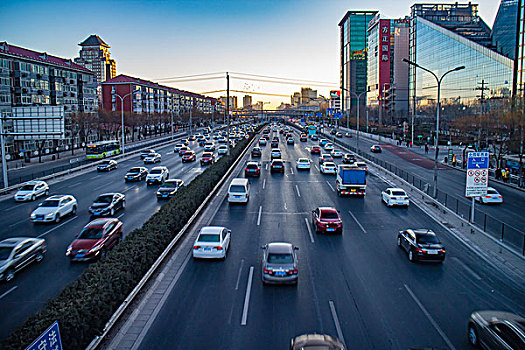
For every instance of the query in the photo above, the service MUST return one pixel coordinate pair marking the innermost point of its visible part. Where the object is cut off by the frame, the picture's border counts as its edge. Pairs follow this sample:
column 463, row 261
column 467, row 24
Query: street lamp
column 438, row 80
column 348, row 119
column 122, row 114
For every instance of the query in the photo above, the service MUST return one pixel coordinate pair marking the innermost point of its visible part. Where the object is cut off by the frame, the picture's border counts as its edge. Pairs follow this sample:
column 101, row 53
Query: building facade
column 246, row 101
column 520, row 53
column 504, row 28
column 233, row 101
column 353, row 54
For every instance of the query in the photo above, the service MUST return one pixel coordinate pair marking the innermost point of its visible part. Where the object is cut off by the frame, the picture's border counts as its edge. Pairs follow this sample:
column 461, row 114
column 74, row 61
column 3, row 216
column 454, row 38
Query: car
column 337, row 153
column 158, row 174
column 17, row 253
column 183, row 150
column 349, row 158
column 323, row 142
column 189, row 156
column 325, row 157
column 333, row 132
column 277, row 166
column 303, row 138
column 222, row 139
column 316, row 341
column 303, row 163
column 207, row 158
column 361, row 165
column 192, row 138
column 329, row 147
column 177, row 147
column 256, row 152
column 95, row 240
column 274, row 144
column 491, row 329
column 201, row 142
column 31, row 190
column 54, row 208
column 169, row 188
column 421, row 245
column 338, row 134
column 492, row 197
column 152, row 158
column 262, row 142
column 136, row 174
column 328, row 168
column 314, row 137
column 212, row 242
column 276, row 153
column 376, row 149
column 266, row 137
column 107, row 204
column 209, row 147
column 395, row 196
column 279, row 263
column 185, row 142
column 290, row 141
column 315, row 150
column 349, row 135
column 327, row 219
column 223, row 149
column 252, row 169
column 107, row 165
column 146, row 152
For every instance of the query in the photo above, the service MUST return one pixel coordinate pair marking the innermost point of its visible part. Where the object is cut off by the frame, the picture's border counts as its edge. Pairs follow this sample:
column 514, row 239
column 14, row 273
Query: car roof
column 100, row 222
column 172, row 180
column 303, row 159
column 14, row 241
column 57, row 196
column 279, row 247
column 159, row 167
column 328, row 164
column 239, row 181
column 327, row 209
column 36, row 182
column 211, row 229
column 395, row 189
column 252, row 162
column 422, row 231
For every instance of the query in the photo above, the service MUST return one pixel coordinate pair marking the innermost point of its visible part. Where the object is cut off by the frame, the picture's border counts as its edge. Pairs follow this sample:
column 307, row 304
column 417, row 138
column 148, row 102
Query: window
column 507, row 335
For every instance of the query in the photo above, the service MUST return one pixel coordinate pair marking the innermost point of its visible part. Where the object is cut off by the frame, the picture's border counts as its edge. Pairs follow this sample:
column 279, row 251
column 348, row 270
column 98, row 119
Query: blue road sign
column 318, row 114
column 478, row 160
column 49, row 340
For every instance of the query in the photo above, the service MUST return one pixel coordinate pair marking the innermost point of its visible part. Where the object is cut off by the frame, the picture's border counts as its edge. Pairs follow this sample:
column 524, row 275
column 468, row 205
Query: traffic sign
column 49, row 340
column 477, row 174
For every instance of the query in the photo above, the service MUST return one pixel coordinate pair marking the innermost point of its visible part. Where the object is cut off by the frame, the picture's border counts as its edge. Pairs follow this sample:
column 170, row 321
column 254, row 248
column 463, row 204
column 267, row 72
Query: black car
column 333, row 132
column 277, row 166
column 136, row 174
column 274, row 144
column 349, row 158
column 290, row 141
column 256, row 152
column 252, row 169
column 496, row 330
column 169, row 188
column 421, row 245
column 315, row 137
column 107, row 204
column 376, row 149
column 107, row 165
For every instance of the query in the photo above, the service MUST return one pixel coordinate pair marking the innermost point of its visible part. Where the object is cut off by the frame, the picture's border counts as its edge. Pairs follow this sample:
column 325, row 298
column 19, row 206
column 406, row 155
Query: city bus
column 102, row 149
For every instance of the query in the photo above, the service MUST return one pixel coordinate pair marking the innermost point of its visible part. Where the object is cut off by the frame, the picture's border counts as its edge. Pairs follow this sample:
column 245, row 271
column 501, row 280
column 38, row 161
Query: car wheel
column 33, row 197
column 112, row 212
column 39, row 257
column 47, row 192
column 57, row 218
column 411, row 256
column 10, row 274
column 74, row 210
column 473, row 335
column 123, row 204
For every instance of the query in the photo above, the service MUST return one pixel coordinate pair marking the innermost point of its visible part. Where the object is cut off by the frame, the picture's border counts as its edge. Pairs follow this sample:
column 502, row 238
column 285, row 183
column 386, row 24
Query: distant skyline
column 160, row 39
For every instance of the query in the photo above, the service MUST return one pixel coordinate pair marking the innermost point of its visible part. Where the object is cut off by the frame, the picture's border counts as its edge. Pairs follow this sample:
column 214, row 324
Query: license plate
column 330, row 229
column 433, row 252
column 79, row 256
column 352, row 190
column 164, row 195
column 400, row 203
column 279, row 273
column 207, row 249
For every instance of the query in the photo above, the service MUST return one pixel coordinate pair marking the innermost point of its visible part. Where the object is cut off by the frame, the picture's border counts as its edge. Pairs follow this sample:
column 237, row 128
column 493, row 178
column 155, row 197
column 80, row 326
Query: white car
column 492, row 197
column 303, row 163
column 337, row 153
column 276, row 153
column 223, row 149
column 212, row 242
column 152, row 158
column 328, row 168
column 177, row 147
column 262, row 142
column 54, row 208
column 31, row 190
column 361, row 165
column 158, row 174
column 329, row 147
column 209, row 147
column 395, row 196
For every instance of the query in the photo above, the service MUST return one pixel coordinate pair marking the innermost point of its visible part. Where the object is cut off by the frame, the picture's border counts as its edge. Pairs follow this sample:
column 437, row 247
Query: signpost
column 477, row 177
column 49, row 340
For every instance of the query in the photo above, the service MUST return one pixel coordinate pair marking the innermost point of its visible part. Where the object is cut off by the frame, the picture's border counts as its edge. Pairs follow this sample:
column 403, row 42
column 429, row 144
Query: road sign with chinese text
column 49, row 340
column 477, row 174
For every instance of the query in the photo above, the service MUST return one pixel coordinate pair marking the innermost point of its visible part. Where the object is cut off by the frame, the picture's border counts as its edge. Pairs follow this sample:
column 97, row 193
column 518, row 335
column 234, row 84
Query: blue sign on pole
column 49, row 340
column 478, row 160
column 318, row 114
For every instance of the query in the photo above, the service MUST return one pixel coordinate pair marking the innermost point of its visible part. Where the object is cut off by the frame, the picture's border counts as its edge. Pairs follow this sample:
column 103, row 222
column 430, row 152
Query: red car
column 326, row 219
column 95, row 239
column 189, row 156
column 315, row 150
column 207, row 158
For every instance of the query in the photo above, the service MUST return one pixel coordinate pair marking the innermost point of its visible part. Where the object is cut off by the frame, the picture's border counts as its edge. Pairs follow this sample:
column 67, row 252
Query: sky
column 155, row 40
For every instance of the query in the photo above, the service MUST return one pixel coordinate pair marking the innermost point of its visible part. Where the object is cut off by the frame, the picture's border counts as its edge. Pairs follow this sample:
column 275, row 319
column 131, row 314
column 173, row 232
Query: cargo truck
column 351, row 180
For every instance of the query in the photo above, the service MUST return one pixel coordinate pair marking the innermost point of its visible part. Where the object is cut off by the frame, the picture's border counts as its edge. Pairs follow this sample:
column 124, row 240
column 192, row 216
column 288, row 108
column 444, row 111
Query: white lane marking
column 329, row 184
column 336, row 322
column 285, row 207
column 309, row 230
column 358, row 223
column 291, row 170
column 247, row 298
column 297, row 188
column 469, row 270
column 94, row 177
column 54, row 228
column 239, row 275
column 264, row 183
column 9, row 291
column 121, row 215
column 316, row 167
column 130, row 188
column 259, row 216
column 14, row 207
column 75, row 184
column 266, row 167
column 427, row 314
column 18, row 222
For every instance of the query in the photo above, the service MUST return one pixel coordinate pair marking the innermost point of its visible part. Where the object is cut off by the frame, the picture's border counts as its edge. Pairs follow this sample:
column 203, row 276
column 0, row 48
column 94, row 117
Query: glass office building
column 504, row 28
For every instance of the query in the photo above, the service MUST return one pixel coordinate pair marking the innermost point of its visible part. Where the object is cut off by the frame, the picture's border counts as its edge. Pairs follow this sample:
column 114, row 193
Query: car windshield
column 398, row 193
column 5, row 252
column 156, row 171
column 169, row 185
column 104, row 199
column 492, row 192
column 207, row 155
column 50, row 203
column 134, row 170
column 237, row 189
column 329, row 215
column 302, row 160
column 27, row 188
column 90, row 233
column 280, row 258
column 427, row 239
column 209, row 237
column 278, row 163
column 252, row 166
column 105, row 162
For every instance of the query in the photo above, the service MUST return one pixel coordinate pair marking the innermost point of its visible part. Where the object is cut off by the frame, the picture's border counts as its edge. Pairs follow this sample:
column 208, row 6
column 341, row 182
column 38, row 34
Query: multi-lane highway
column 358, row 286
column 33, row 286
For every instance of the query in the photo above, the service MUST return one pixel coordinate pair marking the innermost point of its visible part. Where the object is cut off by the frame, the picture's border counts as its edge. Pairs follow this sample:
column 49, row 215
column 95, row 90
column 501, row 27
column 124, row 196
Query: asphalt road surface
column 358, row 286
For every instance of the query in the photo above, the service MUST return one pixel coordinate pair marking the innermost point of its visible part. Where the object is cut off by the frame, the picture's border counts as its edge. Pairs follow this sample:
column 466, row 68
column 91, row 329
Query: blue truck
column 351, row 180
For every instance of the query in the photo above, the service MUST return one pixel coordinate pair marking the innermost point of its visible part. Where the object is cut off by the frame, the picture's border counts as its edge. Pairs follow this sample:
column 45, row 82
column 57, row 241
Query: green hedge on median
column 84, row 306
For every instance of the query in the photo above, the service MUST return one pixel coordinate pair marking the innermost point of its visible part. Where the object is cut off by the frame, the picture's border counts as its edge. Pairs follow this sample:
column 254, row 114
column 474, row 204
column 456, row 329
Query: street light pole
column 122, row 115
column 347, row 120
column 438, row 80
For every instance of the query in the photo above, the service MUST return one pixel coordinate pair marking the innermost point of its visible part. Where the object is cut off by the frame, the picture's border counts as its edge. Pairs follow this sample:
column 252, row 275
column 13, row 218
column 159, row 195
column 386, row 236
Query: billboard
column 37, row 123
column 335, row 94
column 384, row 55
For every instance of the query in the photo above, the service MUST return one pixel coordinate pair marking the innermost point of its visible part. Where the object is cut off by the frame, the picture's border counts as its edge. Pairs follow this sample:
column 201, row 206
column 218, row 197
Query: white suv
column 158, row 174
column 54, row 208
column 31, row 190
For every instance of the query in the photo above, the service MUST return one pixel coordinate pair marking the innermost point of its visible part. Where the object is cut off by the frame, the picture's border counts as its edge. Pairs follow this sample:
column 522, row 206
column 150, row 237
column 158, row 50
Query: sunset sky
column 161, row 39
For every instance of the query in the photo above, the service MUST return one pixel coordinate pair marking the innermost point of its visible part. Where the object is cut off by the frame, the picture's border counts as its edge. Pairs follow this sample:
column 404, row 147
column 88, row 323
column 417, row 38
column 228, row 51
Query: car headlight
column 69, row 249
column 49, row 215
column 33, row 215
column 158, row 193
column 95, row 248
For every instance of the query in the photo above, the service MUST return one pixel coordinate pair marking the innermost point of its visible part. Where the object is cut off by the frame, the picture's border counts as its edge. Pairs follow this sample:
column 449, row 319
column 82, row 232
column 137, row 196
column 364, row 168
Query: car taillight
column 420, row 250
column 245, row 169
column 488, row 197
column 196, row 247
column 500, row 197
column 218, row 248
column 443, row 251
column 293, row 272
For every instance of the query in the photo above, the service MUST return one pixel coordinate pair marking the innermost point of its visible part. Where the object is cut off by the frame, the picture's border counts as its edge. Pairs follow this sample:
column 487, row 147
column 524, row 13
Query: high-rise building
column 246, row 101
column 439, row 41
column 387, row 74
column 520, row 54
column 504, row 28
column 353, row 51
column 233, row 101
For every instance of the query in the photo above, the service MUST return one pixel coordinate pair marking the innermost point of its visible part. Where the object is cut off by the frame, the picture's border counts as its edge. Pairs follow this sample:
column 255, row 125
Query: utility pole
column 172, row 127
column 228, row 107
column 482, row 99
